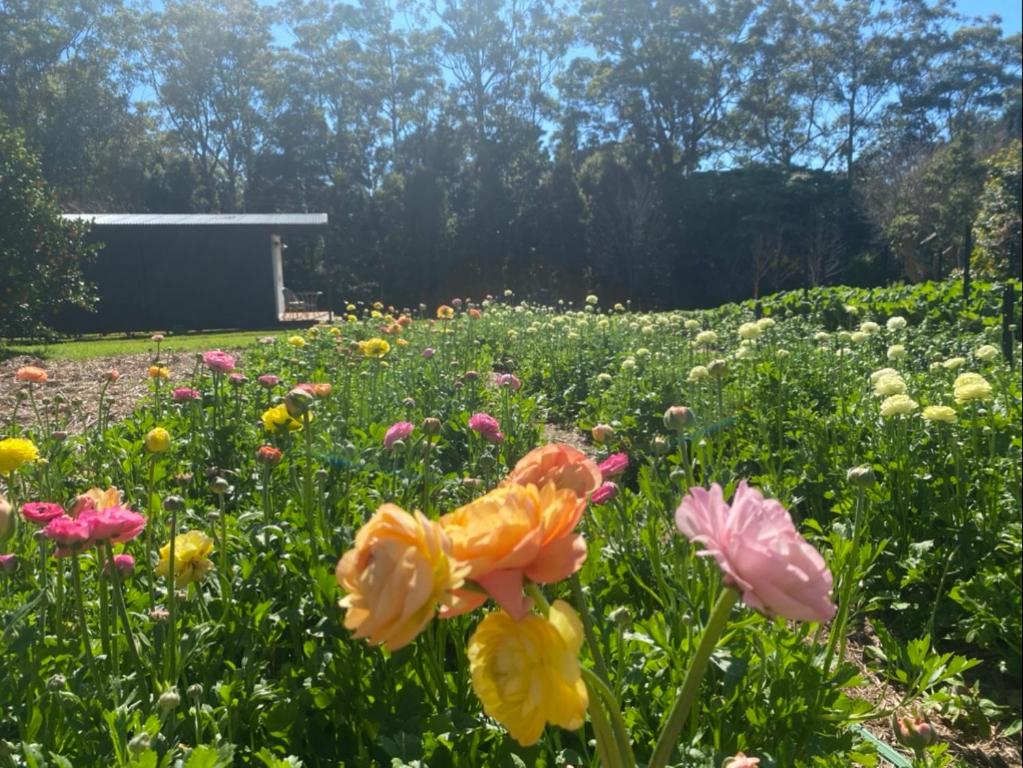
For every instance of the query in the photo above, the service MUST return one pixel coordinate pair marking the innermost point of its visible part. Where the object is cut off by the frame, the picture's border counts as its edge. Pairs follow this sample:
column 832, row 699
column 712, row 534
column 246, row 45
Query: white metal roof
column 200, row 219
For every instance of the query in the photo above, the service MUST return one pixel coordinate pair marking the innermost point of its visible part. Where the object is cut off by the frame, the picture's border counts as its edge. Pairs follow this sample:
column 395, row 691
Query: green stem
column 608, row 756
column 172, row 600
column 690, row 685
column 591, row 636
column 620, row 733
column 149, row 534
column 83, row 627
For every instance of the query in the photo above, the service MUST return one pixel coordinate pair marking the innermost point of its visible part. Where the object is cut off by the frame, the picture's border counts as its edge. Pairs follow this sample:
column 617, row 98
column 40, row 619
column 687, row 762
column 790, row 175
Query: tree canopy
column 670, row 152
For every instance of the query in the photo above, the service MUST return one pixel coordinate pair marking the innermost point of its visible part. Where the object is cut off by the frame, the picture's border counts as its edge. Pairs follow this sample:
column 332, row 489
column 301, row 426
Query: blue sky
column 1011, row 11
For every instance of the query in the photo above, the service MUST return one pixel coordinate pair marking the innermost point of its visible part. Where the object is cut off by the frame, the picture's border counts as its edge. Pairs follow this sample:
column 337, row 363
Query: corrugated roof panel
column 201, row 219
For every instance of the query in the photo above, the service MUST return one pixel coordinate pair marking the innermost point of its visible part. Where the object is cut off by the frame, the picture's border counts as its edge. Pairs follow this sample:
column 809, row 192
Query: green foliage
column 41, row 254
column 998, row 223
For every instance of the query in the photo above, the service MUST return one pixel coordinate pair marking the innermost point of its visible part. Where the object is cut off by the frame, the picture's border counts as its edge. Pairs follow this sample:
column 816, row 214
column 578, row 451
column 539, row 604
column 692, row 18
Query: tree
column 998, row 225
column 41, row 254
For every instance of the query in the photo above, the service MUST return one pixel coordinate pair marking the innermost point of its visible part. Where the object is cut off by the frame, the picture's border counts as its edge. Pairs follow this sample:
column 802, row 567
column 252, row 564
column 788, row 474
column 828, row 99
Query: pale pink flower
column 604, row 493
column 428, row 352
column 184, row 394
column 268, row 380
column 741, row 761
column 218, row 361
column 613, row 465
column 509, row 380
column 759, row 552
column 398, row 431
column 487, row 427
column 115, row 524
column 237, row 379
column 8, row 563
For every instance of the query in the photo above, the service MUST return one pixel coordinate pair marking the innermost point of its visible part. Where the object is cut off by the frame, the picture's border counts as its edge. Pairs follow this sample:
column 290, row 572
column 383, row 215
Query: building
column 177, row 272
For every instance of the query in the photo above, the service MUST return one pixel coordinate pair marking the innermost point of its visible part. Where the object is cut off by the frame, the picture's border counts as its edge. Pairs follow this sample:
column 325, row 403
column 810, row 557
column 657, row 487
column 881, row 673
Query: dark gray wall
column 179, row 278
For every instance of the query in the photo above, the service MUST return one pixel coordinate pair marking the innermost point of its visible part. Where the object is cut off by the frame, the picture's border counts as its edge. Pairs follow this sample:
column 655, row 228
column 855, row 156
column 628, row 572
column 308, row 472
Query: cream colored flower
column 898, row 405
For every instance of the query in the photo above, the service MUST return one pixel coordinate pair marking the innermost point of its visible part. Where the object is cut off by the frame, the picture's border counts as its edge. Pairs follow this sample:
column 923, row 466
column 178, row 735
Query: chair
column 303, row 301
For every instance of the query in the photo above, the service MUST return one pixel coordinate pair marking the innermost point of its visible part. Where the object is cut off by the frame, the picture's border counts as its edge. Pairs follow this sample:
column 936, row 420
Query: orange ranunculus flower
column 513, row 533
column 31, row 374
column 396, row 575
column 322, row 389
column 563, row 465
column 96, row 498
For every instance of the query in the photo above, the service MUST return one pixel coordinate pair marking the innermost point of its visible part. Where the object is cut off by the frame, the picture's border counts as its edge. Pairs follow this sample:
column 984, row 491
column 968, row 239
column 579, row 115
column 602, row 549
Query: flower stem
column 690, row 685
column 591, row 636
column 619, row 732
column 172, row 640
column 83, row 627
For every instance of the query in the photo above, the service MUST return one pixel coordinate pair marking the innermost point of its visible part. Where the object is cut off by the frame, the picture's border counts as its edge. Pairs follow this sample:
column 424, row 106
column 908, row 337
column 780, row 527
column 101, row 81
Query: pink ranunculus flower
column 124, row 563
column 114, row 524
column 69, row 534
column 509, row 380
column 604, row 493
column 759, row 551
column 487, row 427
column 268, row 380
column 398, row 431
column 185, row 394
column 428, row 352
column 237, row 379
column 218, row 361
column 613, row 465
column 8, row 563
column 41, row 512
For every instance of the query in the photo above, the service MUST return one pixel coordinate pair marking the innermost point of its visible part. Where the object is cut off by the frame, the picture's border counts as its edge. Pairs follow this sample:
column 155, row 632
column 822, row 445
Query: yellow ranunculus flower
column 16, row 451
column 191, row 558
column 526, row 673
column 940, row 413
column 971, row 386
column 889, row 384
column 444, row 312
column 157, row 440
column 277, row 419
column 296, row 341
column 376, row 348
column 158, row 372
column 898, row 405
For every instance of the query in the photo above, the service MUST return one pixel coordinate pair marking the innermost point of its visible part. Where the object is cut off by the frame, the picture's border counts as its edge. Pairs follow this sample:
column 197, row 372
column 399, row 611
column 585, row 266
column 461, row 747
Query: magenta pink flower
column 604, row 493
column 114, row 524
column 124, row 563
column 268, row 380
column 759, row 552
column 218, row 362
column 69, row 534
column 398, row 431
column 184, row 394
column 613, row 465
column 487, row 427
column 8, row 563
column 41, row 512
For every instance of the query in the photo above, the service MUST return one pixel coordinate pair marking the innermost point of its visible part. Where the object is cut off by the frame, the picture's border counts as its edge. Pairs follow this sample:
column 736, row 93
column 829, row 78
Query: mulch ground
column 73, row 389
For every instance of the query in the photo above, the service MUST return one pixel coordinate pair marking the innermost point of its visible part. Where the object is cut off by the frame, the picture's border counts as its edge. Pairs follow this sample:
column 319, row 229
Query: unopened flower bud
column 219, row 486
column 168, row 701
column 174, row 503
column 862, row 476
column 409, row 402
column 660, row 445
column 59, row 435
column 914, row 731
column 194, row 691
column 6, row 519
column 298, row 401
column 717, row 368
column 140, row 743
column 601, row 433
column 56, row 683
column 432, row 426
column 678, row 418
column 268, row 455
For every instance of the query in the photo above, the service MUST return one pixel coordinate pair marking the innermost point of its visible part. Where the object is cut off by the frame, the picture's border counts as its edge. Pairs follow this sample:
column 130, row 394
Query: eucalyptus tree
column 209, row 63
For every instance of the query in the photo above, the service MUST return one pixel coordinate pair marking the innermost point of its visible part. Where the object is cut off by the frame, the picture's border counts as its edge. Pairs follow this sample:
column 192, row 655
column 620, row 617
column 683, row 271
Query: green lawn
column 119, row 345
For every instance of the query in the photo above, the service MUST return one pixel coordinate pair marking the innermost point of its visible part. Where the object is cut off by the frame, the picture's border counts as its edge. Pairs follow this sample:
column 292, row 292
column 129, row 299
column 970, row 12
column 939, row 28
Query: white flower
column 765, row 322
column 954, row 363
column 749, row 331
column 896, row 352
column 869, row 326
column 987, row 352
column 896, row 323
column 706, row 338
column 898, row 405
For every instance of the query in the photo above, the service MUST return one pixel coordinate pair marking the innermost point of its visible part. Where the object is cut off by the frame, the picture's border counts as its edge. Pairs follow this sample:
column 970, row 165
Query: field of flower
column 499, row 534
